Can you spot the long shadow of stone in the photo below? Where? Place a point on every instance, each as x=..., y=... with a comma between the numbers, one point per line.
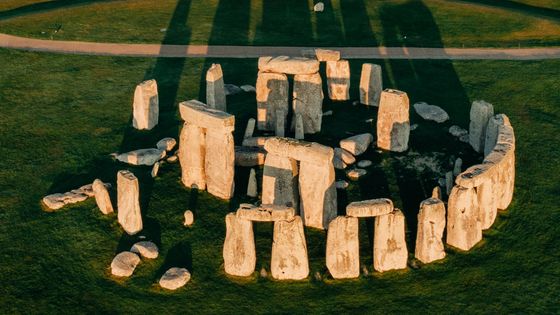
x=43, y=7
x=180, y=255
x=525, y=8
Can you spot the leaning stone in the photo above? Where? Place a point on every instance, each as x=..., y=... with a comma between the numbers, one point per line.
x=299, y=132
x=252, y=185
x=128, y=202
x=327, y=55
x=188, y=217
x=155, y=169
x=272, y=96
x=369, y=208
x=146, y=105
x=102, y=197
x=371, y=84
x=492, y=131
x=280, y=128
x=145, y=249
x=174, y=278
x=480, y=114
x=124, y=263
x=431, y=223
x=389, y=243
x=142, y=156
x=239, y=247
x=457, y=166
x=192, y=151
x=338, y=80
x=343, y=251
x=457, y=131
x=463, y=226
x=201, y=115
x=289, y=251
x=265, y=213
x=431, y=112
x=356, y=173
x=319, y=7
x=364, y=163
x=280, y=181
x=393, y=125
x=249, y=156
x=219, y=163
x=345, y=156
x=341, y=184
x=166, y=144
x=358, y=144
x=308, y=101
x=232, y=89
x=288, y=65
x=215, y=89
x=318, y=194
x=250, y=128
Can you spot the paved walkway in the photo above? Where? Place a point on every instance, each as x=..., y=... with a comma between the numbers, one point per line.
x=192, y=51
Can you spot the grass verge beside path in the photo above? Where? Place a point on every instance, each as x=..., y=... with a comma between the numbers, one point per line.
x=63, y=115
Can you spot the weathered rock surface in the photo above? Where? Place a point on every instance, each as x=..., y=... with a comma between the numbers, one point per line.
x=145, y=249
x=371, y=84
x=188, y=218
x=280, y=127
x=255, y=141
x=393, y=125
x=199, y=114
x=457, y=166
x=356, y=173
x=289, y=251
x=358, y=144
x=166, y=144
x=431, y=223
x=299, y=150
x=174, y=278
x=457, y=131
x=252, y=184
x=480, y=114
x=308, y=101
x=239, y=247
x=431, y=112
x=219, y=163
x=250, y=129
x=249, y=156
x=369, y=208
x=288, y=65
x=124, y=263
x=192, y=151
x=492, y=131
x=338, y=80
x=215, y=90
x=327, y=54
x=364, y=163
x=102, y=197
x=318, y=194
x=341, y=184
x=272, y=96
x=265, y=213
x=343, y=251
x=338, y=163
x=280, y=181
x=146, y=105
x=155, y=169
x=487, y=202
x=389, y=244
x=436, y=193
x=299, y=128
x=344, y=156
x=141, y=157
x=128, y=202
x=448, y=182
x=463, y=226
x=59, y=200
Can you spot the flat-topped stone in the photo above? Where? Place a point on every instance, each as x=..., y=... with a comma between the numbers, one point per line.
x=141, y=157
x=249, y=156
x=393, y=122
x=327, y=54
x=299, y=150
x=265, y=213
x=288, y=65
x=199, y=114
x=369, y=208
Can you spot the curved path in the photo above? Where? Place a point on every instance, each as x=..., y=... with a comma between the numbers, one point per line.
x=192, y=51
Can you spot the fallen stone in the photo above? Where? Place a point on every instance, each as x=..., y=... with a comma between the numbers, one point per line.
x=371, y=84
x=431, y=223
x=393, y=126
x=463, y=226
x=431, y=112
x=249, y=156
x=345, y=156
x=338, y=80
x=457, y=131
x=308, y=101
x=188, y=217
x=327, y=55
x=172, y=159
x=272, y=96
x=358, y=144
x=356, y=173
x=343, y=251
x=141, y=157
x=364, y=163
x=124, y=263
x=58, y=200
x=145, y=249
x=341, y=184
x=280, y=181
x=369, y=208
x=146, y=106
x=166, y=144
x=232, y=89
x=215, y=88
x=128, y=202
x=265, y=213
x=288, y=65
x=248, y=88
x=239, y=247
x=480, y=114
x=319, y=7
x=155, y=169
x=289, y=251
x=338, y=163
x=102, y=197
x=174, y=278
x=252, y=185
x=389, y=243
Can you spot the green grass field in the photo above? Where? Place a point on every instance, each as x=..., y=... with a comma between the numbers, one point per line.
x=429, y=23
x=63, y=115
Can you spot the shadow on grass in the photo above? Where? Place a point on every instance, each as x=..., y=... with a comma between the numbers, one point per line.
x=180, y=255
x=42, y=7
x=524, y=8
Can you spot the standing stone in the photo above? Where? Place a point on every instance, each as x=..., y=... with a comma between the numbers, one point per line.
x=343, y=251
x=299, y=132
x=457, y=167
x=215, y=90
x=389, y=243
x=448, y=182
x=219, y=163
x=250, y=128
x=252, y=186
x=318, y=194
x=431, y=223
x=480, y=114
x=272, y=95
x=393, y=125
x=289, y=251
x=280, y=181
x=308, y=101
x=436, y=193
x=463, y=226
x=338, y=80
x=128, y=202
x=102, y=197
x=192, y=144
x=239, y=247
x=146, y=105
x=492, y=131
x=188, y=218
x=327, y=55
x=371, y=84
x=280, y=128
x=487, y=202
